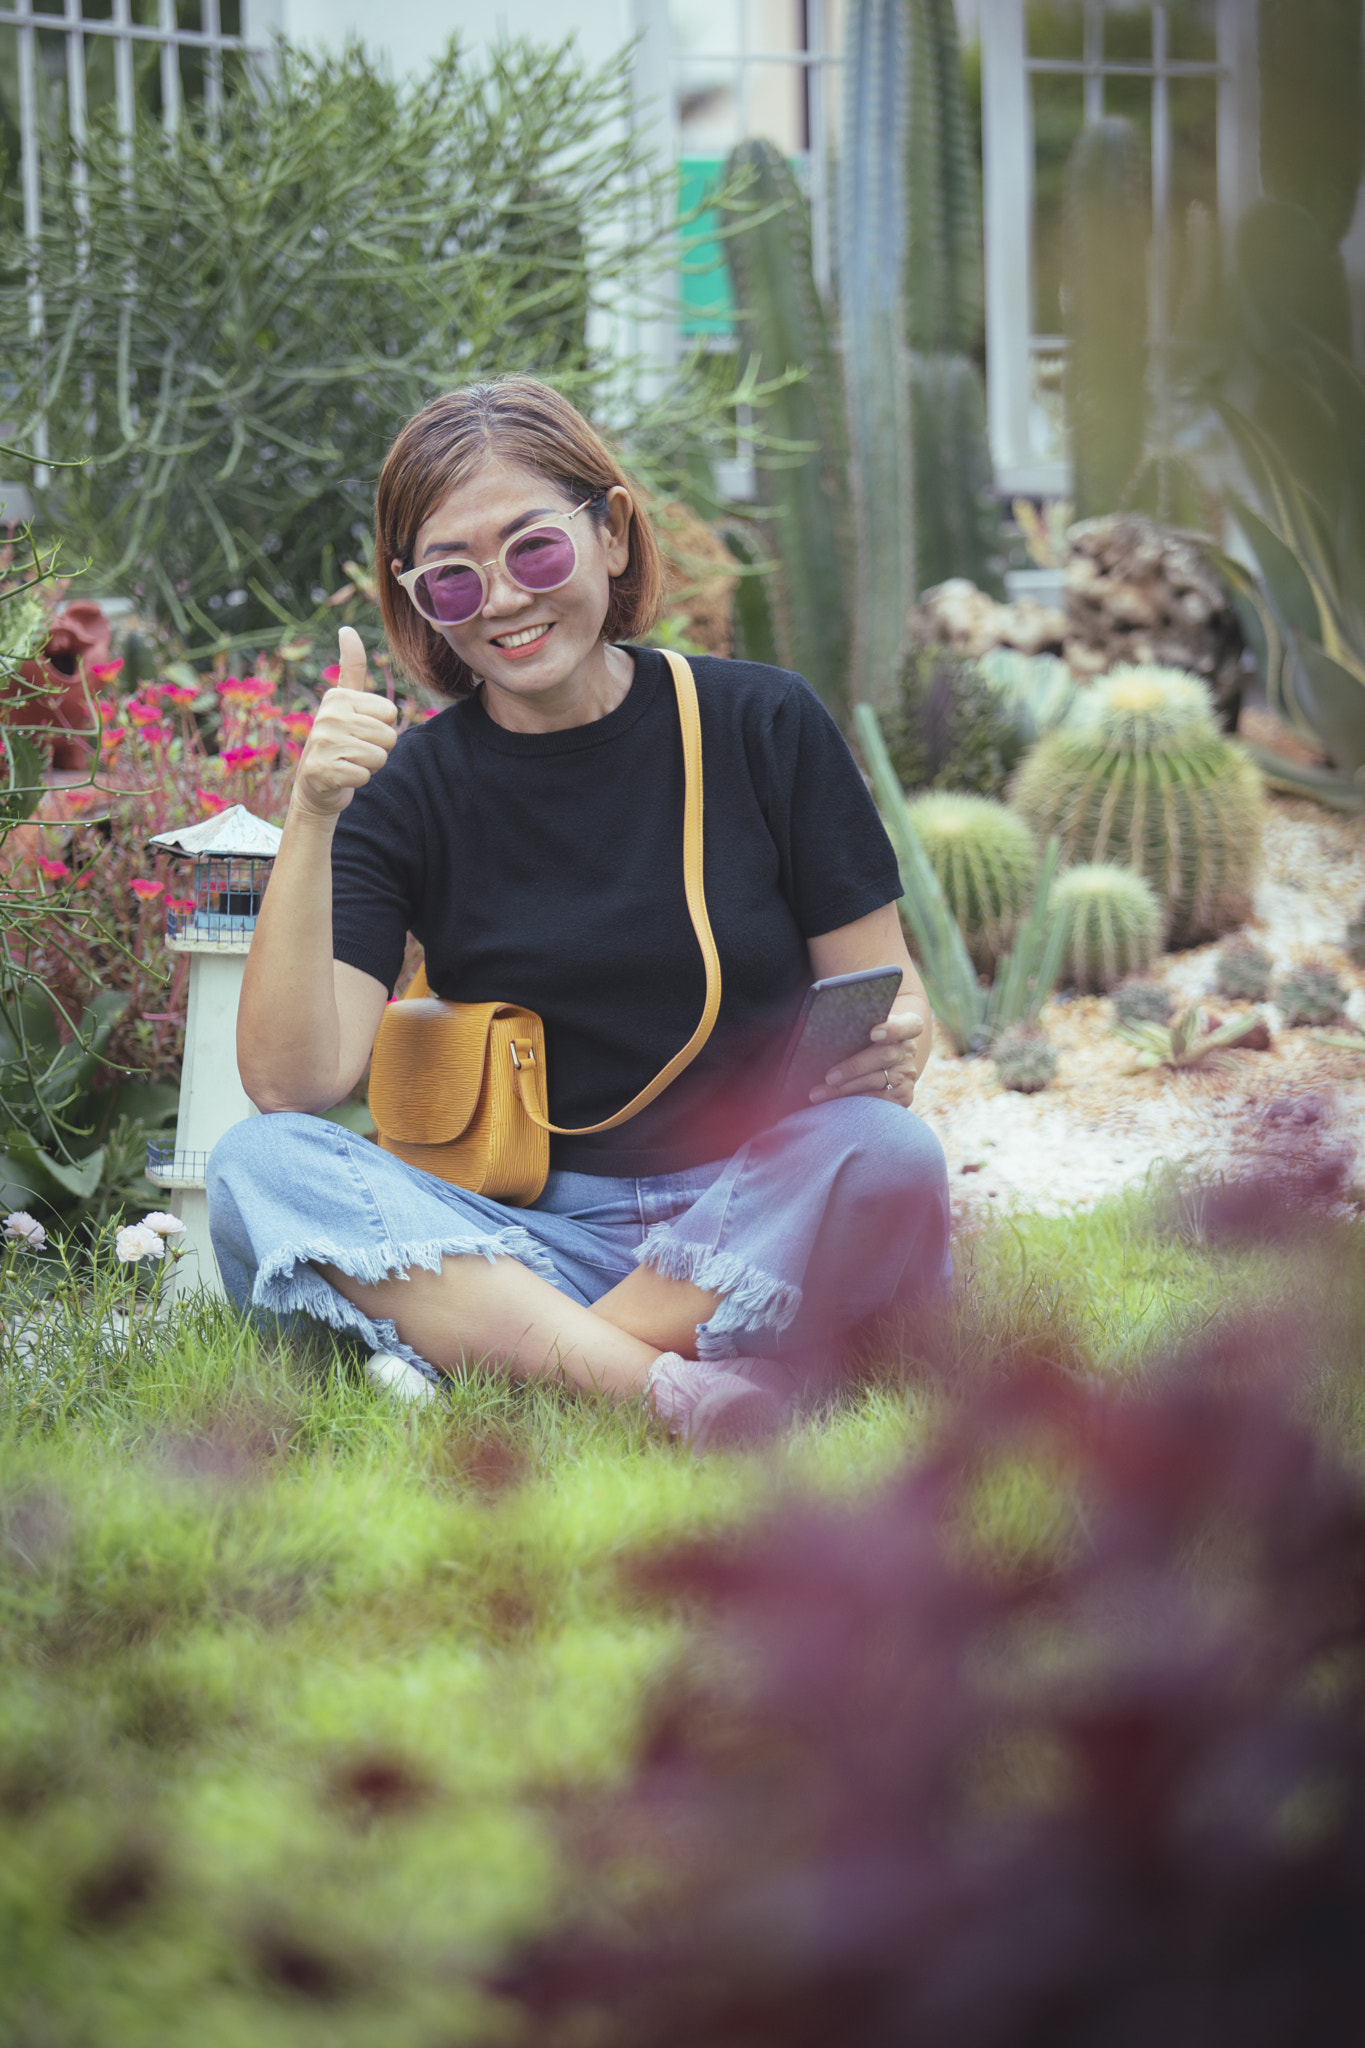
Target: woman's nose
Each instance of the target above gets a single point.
(504, 593)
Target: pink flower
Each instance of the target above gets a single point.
(55, 870)
(181, 905)
(332, 673)
(212, 804)
(146, 891)
(104, 671)
(179, 693)
(298, 724)
(106, 710)
(143, 714)
(245, 689)
(158, 735)
(236, 758)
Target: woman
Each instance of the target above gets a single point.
(531, 837)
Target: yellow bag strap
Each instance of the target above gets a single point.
(523, 1052)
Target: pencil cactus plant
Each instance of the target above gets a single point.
(804, 479)
(1107, 231)
(986, 863)
(1113, 924)
(1146, 779)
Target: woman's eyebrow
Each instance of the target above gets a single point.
(461, 547)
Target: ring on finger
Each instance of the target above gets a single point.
(889, 1083)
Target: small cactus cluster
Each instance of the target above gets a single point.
(1024, 1059)
(1146, 778)
(986, 865)
(1112, 923)
(1143, 1002)
(1243, 971)
(1311, 994)
(1354, 941)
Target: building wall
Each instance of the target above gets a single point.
(410, 34)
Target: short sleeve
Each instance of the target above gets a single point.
(375, 877)
(838, 863)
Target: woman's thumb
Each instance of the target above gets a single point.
(354, 674)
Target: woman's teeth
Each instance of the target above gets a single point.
(521, 639)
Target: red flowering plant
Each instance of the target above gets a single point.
(171, 752)
(1101, 1788)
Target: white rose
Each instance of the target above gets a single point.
(136, 1241)
(20, 1224)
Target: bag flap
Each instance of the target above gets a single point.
(427, 1069)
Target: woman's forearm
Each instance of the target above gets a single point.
(288, 1028)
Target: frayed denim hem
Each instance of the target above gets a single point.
(754, 1300)
(287, 1283)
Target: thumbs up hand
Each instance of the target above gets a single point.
(351, 738)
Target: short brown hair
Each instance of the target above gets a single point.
(449, 441)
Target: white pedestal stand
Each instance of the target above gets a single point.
(212, 1098)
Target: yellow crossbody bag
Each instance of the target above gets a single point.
(458, 1089)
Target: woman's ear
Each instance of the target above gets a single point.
(397, 567)
(616, 532)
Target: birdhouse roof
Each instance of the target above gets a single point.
(237, 832)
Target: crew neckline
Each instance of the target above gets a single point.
(573, 739)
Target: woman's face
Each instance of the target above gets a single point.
(523, 641)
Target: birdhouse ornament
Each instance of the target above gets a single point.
(230, 856)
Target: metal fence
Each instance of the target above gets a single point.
(62, 61)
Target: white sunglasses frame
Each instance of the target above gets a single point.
(409, 578)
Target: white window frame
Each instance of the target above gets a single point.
(260, 22)
(1022, 467)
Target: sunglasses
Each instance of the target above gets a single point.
(452, 592)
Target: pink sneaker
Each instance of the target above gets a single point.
(712, 1408)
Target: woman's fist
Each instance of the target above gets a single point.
(351, 739)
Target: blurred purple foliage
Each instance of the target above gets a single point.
(1108, 1792)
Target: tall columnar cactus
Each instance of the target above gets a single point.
(1107, 231)
(943, 275)
(783, 322)
(1147, 779)
(986, 863)
(1313, 107)
(957, 521)
(1113, 924)
(872, 217)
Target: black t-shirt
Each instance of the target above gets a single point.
(546, 869)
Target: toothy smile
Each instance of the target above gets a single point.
(524, 637)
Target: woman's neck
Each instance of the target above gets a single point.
(595, 689)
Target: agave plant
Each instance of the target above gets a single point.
(1187, 1041)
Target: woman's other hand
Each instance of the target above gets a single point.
(889, 1067)
(351, 738)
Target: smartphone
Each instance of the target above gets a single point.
(836, 1021)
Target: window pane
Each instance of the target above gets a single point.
(1127, 35)
(230, 19)
(774, 105)
(1058, 115)
(1192, 30)
(1132, 98)
(1056, 28)
(773, 25)
(188, 14)
(97, 10)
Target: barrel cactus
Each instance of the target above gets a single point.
(1311, 993)
(1243, 970)
(1112, 922)
(1025, 1059)
(1146, 779)
(1143, 1002)
(986, 864)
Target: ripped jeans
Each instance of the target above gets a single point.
(836, 1211)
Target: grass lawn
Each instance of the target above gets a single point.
(289, 1680)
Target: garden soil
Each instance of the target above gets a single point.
(1100, 1128)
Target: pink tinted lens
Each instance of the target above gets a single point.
(541, 559)
(451, 594)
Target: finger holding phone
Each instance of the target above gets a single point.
(888, 1068)
(350, 740)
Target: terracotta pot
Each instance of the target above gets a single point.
(64, 701)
